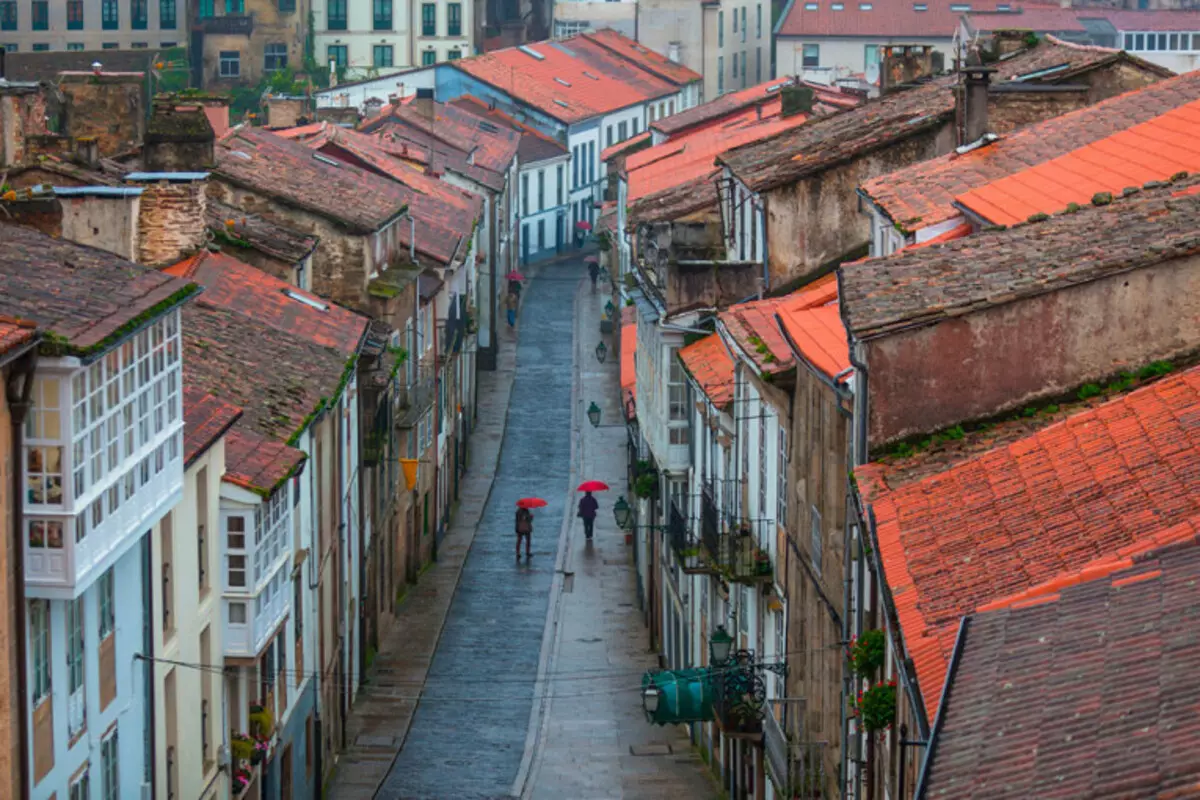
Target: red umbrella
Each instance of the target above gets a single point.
(530, 502)
(515, 276)
(591, 260)
(583, 225)
(593, 486)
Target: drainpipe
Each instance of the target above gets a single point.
(437, 429)
(766, 261)
(148, 660)
(19, 402)
(362, 551)
(343, 543)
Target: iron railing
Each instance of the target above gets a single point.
(797, 768)
(412, 395)
(738, 549)
(693, 558)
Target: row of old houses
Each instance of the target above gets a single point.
(255, 355)
(912, 413)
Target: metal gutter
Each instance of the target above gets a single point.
(959, 642)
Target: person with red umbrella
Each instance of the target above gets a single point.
(524, 524)
(588, 505)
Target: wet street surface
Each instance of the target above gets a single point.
(468, 734)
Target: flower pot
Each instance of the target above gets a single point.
(629, 538)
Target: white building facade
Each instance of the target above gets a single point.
(376, 39)
(103, 465)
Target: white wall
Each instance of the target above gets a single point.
(406, 35)
(1183, 56)
(841, 56)
(355, 94)
(532, 211)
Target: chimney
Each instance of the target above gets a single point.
(96, 67)
(171, 221)
(96, 217)
(795, 100)
(423, 104)
(178, 138)
(87, 151)
(758, 110)
(673, 51)
(975, 96)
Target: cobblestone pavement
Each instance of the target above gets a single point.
(595, 741)
(468, 735)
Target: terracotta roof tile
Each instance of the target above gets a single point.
(755, 328)
(708, 362)
(633, 142)
(78, 293)
(492, 147)
(535, 146)
(818, 335)
(923, 194)
(885, 19)
(268, 237)
(1088, 692)
(1152, 151)
(257, 462)
(923, 286)
(407, 135)
(205, 420)
(789, 156)
(1054, 503)
(575, 79)
(732, 103)
(249, 344)
(233, 285)
(278, 167)
(15, 332)
(644, 57)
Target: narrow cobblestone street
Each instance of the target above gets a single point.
(527, 672)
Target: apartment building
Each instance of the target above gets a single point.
(366, 40)
(103, 464)
(41, 25)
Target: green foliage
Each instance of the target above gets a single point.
(1155, 369)
(646, 485)
(1039, 217)
(876, 707)
(1088, 390)
(1072, 208)
(1031, 39)
(1102, 198)
(1179, 176)
(867, 652)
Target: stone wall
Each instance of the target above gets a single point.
(1006, 357)
(109, 107)
(22, 114)
(108, 223)
(171, 222)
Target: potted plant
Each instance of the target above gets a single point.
(646, 485)
(261, 722)
(762, 563)
(867, 652)
(241, 779)
(876, 706)
(241, 746)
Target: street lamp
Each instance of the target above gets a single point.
(593, 414)
(622, 513)
(719, 645)
(650, 697)
(601, 352)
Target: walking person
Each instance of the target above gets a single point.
(594, 273)
(588, 506)
(511, 302)
(524, 528)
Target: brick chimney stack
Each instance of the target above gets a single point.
(171, 221)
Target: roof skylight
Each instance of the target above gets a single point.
(308, 301)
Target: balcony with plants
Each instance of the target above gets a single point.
(694, 559)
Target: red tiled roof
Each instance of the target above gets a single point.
(238, 287)
(272, 165)
(923, 194)
(812, 322)
(15, 332)
(925, 286)
(1115, 476)
(1039, 19)
(575, 79)
(608, 153)
(1152, 151)
(1089, 693)
(264, 235)
(644, 57)
(1153, 19)
(535, 146)
(674, 177)
(78, 293)
(887, 21)
(205, 420)
(492, 146)
(794, 154)
(709, 363)
(756, 330)
(734, 102)
(258, 463)
(628, 367)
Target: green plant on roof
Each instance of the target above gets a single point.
(1072, 208)
(1038, 217)
(1102, 198)
(1129, 191)
(1088, 390)
(1179, 176)
(1155, 369)
(1031, 39)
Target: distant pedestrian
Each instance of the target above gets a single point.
(511, 302)
(524, 528)
(587, 512)
(514, 287)
(594, 273)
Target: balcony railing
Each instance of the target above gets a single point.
(739, 697)
(413, 396)
(693, 559)
(737, 549)
(797, 768)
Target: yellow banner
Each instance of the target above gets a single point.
(409, 465)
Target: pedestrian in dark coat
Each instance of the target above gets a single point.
(587, 512)
(524, 528)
